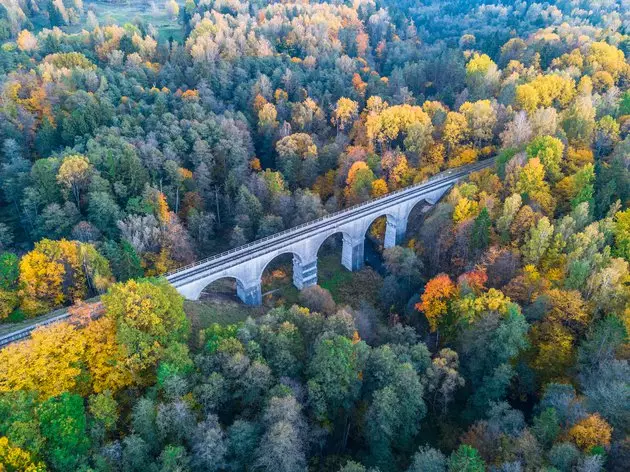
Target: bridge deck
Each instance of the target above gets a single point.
(251, 250)
(248, 251)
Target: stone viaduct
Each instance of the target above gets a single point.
(246, 263)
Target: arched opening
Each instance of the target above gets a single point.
(415, 220)
(331, 273)
(374, 243)
(277, 281)
(218, 303)
(347, 287)
(223, 289)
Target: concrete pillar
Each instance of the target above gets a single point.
(249, 292)
(395, 231)
(352, 256)
(304, 273)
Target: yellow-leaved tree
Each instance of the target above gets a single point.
(465, 209)
(13, 458)
(74, 174)
(41, 280)
(390, 122)
(149, 317)
(105, 357)
(345, 111)
(55, 272)
(48, 363)
(590, 432)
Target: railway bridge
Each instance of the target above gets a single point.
(246, 264)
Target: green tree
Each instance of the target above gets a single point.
(428, 459)
(124, 260)
(297, 159)
(149, 317)
(549, 150)
(19, 422)
(104, 213)
(335, 383)
(9, 271)
(538, 242)
(44, 180)
(480, 237)
(63, 425)
(546, 427)
(622, 234)
(394, 416)
(104, 409)
(466, 459)
(47, 138)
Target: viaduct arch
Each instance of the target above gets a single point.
(247, 263)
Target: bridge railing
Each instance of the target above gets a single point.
(436, 178)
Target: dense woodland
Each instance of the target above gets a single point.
(495, 337)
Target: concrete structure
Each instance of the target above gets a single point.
(246, 264)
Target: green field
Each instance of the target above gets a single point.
(120, 13)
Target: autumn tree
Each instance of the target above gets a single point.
(149, 317)
(74, 174)
(438, 292)
(105, 357)
(392, 122)
(344, 112)
(590, 432)
(359, 183)
(297, 158)
(532, 185)
(55, 352)
(481, 119)
(26, 41)
(482, 75)
(59, 271)
(465, 209)
(14, 458)
(550, 151)
(455, 130)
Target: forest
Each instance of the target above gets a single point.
(494, 338)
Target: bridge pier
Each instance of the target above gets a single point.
(395, 231)
(352, 253)
(304, 273)
(250, 293)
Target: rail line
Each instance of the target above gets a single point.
(243, 253)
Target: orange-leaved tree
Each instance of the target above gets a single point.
(590, 432)
(438, 292)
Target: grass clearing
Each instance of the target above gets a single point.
(203, 313)
(221, 305)
(120, 13)
(346, 288)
